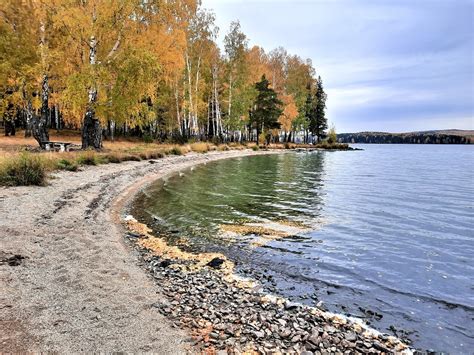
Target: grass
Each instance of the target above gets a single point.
(65, 164)
(200, 147)
(114, 158)
(88, 158)
(177, 151)
(18, 167)
(23, 170)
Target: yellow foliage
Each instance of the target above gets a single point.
(290, 112)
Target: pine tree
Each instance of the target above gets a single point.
(310, 110)
(267, 108)
(315, 108)
(320, 111)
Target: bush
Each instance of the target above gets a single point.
(200, 147)
(332, 146)
(114, 158)
(23, 170)
(88, 158)
(223, 147)
(147, 138)
(175, 151)
(332, 136)
(156, 155)
(65, 164)
(255, 148)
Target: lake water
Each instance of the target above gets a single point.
(391, 231)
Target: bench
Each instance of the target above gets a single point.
(57, 146)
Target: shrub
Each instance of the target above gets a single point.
(88, 158)
(156, 155)
(114, 158)
(200, 147)
(255, 148)
(23, 170)
(68, 165)
(332, 136)
(223, 147)
(175, 151)
(334, 146)
(147, 138)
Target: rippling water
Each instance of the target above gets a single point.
(391, 236)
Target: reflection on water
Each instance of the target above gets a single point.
(390, 236)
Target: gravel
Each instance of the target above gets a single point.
(225, 317)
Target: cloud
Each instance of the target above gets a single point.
(382, 62)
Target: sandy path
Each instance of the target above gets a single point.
(81, 287)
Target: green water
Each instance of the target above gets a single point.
(390, 230)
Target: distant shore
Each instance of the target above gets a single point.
(424, 137)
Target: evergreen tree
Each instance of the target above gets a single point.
(321, 122)
(310, 110)
(267, 108)
(315, 110)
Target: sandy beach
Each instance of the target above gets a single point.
(80, 288)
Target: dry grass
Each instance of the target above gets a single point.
(13, 162)
(160, 247)
(200, 147)
(246, 229)
(22, 170)
(13, 148)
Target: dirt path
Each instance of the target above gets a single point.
(80, 288)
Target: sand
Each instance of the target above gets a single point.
(81, 288)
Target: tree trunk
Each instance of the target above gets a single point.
(57, 118)
(39, 125)
(112, 130)
(230, 95)
(178, 115)
(29, 118)
(91, 130)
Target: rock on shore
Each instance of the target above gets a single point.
(225, 317)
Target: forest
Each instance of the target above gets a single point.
(426, 137)
(151, 69)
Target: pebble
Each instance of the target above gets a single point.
(237, 319)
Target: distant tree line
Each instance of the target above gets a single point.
(403, 138)
(148, 68)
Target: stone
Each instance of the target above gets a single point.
(216, 263)
(351, 336)
(314, 339)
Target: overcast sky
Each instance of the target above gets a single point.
(387, 65)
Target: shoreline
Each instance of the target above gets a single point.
(69, 282)
(74, 291)
(277, 325)
(226, 312)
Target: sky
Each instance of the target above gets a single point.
(387, 65)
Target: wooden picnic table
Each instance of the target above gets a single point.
(57, 146)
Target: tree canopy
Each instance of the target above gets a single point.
(154, 67)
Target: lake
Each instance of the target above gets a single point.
(386, 233)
